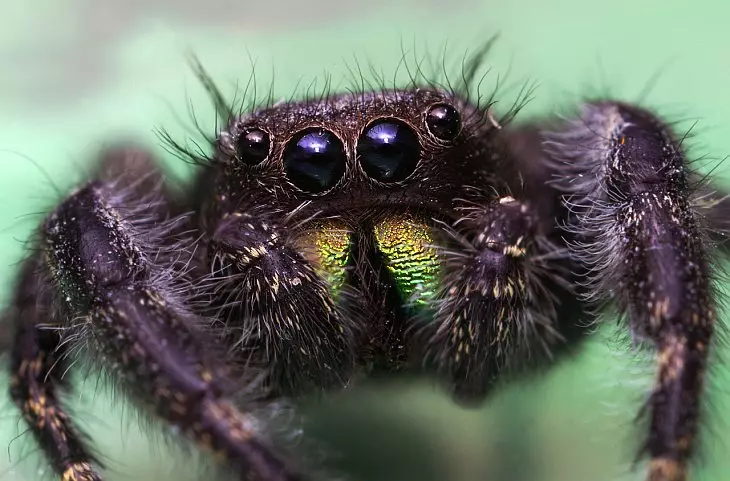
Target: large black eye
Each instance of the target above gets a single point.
(253, 146)
(389, 150)
(443, 121)
(314, 160)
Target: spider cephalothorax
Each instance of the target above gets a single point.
(395, 230)
(367, 189)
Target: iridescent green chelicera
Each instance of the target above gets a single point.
(406, 247)
(328, 247)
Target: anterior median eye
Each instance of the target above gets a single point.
(314, 160)
(388, 150)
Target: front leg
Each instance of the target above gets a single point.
(495, 310)
(635, 227)
(283, 296)
(38, 360)
(118, 270)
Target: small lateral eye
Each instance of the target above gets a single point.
(314, 160)
(253, 146)
(388, 150)
(443, 121)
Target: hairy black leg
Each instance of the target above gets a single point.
(494, 309)
(36, 383)
(139, 324)
(634, 225)
(38, 351)
(120, 269)
(281, 292)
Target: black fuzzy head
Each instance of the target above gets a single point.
(359, 153)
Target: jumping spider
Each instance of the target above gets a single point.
(400, 229)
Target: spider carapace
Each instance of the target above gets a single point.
(395, 230)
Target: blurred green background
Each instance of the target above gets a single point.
(78, 73)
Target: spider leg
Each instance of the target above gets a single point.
(37, 361)
(633, 224)
(119, 271)
(283, 295)
(495, 310)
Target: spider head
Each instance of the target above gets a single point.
(359, 181)
(359, 154)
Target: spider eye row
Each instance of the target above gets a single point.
(388, 149)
